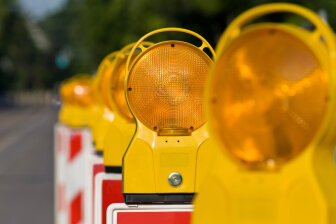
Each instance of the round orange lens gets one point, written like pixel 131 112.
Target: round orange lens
pixel 117 87
pixel 103 87
pixel 83 93
pixel 66 93
pixel 166 84
pixel 269 96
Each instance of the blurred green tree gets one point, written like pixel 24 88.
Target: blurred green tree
pixel 83 32
pixel 22 63
pixel 94 28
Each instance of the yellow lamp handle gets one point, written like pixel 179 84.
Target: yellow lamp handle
pixel 234 29
pixel 105 62
pixel 139 44
pixel 129 47
pixel 99 75
pixel 112 58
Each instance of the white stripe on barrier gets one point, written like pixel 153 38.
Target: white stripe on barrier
pixel 73 148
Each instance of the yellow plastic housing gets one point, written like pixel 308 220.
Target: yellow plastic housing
pixel 121 129
pixel 274 118
pixel 102 115
pixel 164 89
pixel 98 110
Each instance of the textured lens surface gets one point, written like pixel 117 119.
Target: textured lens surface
pixel 103 83
pixel 269 95
pixel 166 86
pixel 118 89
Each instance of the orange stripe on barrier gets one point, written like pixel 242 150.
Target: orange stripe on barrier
pixel 76 209
pixel 111 191
pixel 97 168
pixel 75 145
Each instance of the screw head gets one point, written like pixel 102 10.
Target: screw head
pixel 175 179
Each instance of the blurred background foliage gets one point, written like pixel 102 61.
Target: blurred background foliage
pixel 36 53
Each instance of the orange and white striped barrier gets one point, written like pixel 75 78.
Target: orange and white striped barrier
pixel 73 148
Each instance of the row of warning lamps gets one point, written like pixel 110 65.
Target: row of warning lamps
pixel 270 101
pixel 85 193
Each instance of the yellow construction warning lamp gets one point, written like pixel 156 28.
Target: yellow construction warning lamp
pixel 121 129
pixel 77 96
pixel 272 108
pixel 164 90
pixel 101 115
pixel 114 109
pixel 97 109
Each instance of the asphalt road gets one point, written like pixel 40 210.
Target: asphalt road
pixel 26 165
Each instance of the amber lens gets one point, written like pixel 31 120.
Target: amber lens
pixel 117 87
pixel 103 87
pixel 83 94
pixel 66 92
pixel 269 95
pixel 165 86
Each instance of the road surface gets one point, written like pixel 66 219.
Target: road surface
pixel 26 165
